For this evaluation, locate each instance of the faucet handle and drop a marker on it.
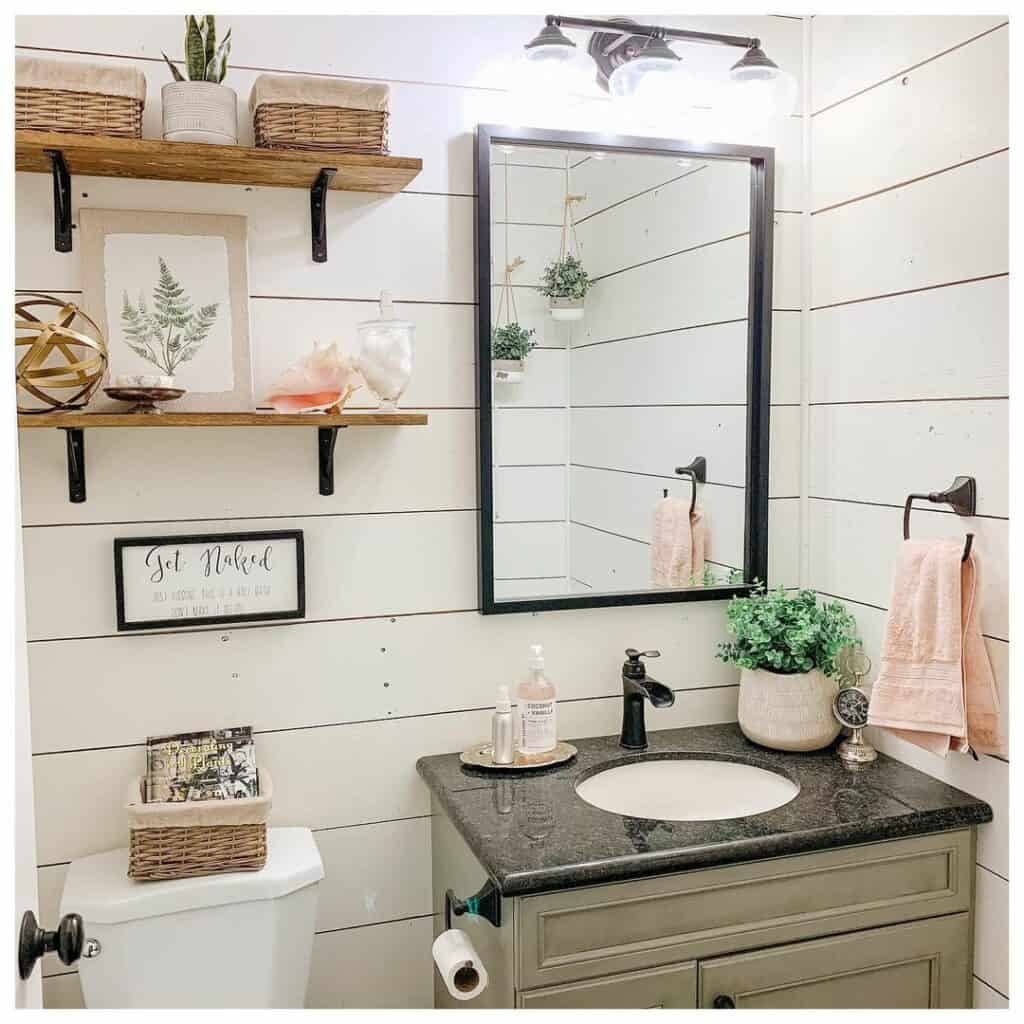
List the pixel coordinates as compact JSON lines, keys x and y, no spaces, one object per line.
{"x":633,"y":667}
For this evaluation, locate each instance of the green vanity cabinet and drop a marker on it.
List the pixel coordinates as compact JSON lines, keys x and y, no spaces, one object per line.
{"x":883,"y":924}
{"x":661,"y":988}
{"x":921,"y":965}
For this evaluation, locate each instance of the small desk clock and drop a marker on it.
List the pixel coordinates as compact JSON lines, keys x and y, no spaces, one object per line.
{"x":850,"y":706}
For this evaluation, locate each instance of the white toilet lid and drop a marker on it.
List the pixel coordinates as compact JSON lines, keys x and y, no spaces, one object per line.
{"x":99,"y":888}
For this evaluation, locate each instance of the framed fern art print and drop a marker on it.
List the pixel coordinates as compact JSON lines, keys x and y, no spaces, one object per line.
{"x":170,"y":291}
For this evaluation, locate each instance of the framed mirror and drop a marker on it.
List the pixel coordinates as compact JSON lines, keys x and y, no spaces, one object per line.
{"x":623,"y":356}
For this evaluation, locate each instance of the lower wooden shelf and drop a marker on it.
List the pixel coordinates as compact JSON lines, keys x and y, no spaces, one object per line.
{"x":88,"y":420}
{"x":74,"y":425}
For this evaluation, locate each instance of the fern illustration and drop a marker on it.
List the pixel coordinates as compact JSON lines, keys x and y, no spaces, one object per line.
{"x":172,"y":332}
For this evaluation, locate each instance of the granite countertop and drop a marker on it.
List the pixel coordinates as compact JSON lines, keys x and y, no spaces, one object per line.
{"x":532,"y":833}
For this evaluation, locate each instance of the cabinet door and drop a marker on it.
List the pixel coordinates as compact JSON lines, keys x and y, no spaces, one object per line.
{"x":662,"y":988}
{"x":912,"y":966}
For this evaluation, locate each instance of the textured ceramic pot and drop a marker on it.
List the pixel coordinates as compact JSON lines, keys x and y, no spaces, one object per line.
{"x":787,"y":712}
{"x":199,"y":112}
{"x":565,"y":309}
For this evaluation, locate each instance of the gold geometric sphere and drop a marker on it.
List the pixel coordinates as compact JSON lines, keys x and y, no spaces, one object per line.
{"x":62,"y":365}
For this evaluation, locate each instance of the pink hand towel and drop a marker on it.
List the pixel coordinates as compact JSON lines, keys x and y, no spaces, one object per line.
{"x":936,"y":688}
{"x":678,"y":541}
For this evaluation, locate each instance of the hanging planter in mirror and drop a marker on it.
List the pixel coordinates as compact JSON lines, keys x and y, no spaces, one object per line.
{"x":511,"y":343}
{"x":565,"y":282}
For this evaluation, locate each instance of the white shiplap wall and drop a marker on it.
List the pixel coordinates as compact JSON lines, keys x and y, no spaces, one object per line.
{"x":393,"y":660}
{"x":908,"y":345}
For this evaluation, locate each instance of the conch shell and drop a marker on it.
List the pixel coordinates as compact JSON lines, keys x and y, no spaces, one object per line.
{"x":325,"y":379}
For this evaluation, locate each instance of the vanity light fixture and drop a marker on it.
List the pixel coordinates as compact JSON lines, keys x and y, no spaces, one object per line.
{"x":635,"y":62}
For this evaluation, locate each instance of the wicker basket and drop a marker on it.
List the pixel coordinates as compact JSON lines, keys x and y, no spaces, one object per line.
{"x":76,"y":96}
{"x":309,"y":127}
{"x":84,"y":113}
{"x":192,"y":838}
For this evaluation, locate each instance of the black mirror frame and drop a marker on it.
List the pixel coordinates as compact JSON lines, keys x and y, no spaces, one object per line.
{"x":759,"y":328}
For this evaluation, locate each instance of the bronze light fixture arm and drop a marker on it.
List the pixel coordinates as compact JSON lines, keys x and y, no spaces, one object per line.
{"x":654,"y":31}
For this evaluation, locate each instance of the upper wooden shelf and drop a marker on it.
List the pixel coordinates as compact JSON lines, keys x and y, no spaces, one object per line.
{"x":86,"y":420}
{"x":232,"y":165}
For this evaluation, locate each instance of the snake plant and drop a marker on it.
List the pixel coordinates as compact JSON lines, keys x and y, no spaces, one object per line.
{"x":205,"y":61}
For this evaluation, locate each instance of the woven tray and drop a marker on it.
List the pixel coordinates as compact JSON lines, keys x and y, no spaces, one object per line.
{"x":314,"y":128}
{"x":84,"y":113}
{"x":192,"y":838}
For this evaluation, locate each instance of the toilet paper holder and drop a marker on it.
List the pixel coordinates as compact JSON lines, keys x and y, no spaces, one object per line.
{"x":485,"y":903}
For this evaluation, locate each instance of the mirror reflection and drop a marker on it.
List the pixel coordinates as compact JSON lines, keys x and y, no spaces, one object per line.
{"x":619,"y":334}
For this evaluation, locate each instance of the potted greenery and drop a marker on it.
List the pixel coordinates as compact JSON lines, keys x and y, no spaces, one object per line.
{"x":200,"y":108}
{"x":785,"y":646}
{"x":510,"y":345}
{"x":565,"y":283}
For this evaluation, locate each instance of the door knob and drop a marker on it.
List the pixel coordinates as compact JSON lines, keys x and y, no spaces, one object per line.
{"x":723,"y":1003}
{"x":68,"y":942}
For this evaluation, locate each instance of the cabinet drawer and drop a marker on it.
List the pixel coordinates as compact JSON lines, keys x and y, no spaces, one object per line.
{"x":919,"y":966}
{"x":585,"y":933}
{"x":664,"y":988}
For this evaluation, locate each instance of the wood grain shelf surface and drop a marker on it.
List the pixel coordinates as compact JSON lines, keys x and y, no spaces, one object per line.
{"x":84,"y":420}
{"x":232,"y":165}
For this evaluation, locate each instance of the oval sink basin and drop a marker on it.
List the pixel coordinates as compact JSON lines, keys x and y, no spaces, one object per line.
{"x":686,"y":789}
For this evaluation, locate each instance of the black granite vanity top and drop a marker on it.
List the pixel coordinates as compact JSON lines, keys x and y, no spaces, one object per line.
{"x":532,"y":833}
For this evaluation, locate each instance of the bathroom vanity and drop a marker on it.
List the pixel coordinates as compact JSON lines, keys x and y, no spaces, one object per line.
{"x":856,"y":893}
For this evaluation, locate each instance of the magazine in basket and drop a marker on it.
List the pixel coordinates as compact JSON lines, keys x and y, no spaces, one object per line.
{"x":216,"y":764}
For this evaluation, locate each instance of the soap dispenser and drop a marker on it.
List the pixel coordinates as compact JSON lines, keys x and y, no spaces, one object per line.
{"x":537,"y":720}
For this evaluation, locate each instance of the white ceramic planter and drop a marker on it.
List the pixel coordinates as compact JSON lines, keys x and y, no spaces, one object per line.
{"x":565,"y":309}
{"x":508,"y":371}
{"x":787,"y":712}
{"x":199,"y":112}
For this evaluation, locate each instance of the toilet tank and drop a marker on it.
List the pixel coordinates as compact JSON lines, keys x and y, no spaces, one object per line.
{"x":239,"y":940}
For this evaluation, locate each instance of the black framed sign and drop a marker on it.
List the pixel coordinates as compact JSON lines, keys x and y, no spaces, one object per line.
{"x":198,"y":579}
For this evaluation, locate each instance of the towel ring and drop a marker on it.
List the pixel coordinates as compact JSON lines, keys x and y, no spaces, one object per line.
{"x":961,"y":496}
{"x":697,"y":471}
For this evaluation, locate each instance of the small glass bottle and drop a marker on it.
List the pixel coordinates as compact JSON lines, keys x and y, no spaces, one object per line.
{"x":502,"y":744}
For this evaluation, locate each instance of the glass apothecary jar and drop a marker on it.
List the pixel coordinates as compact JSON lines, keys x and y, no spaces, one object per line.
{"x":385,"y":354}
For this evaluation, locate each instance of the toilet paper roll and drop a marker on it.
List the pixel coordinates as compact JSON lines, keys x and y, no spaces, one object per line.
{"x":459,"y":964}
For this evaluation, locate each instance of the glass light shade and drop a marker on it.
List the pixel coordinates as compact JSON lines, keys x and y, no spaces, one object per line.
{"x":628,"y":79}
{"x":762,"y":91}
{"x":655,"y":90}
{"x":550,"y":53}
{"x":548,"y":92}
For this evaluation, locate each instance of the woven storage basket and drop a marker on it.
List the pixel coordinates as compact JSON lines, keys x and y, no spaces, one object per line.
{"x":72,"y":96}
{"x":197,"y":837}
{"x":319,"y":114}
{"x":342,"y":129}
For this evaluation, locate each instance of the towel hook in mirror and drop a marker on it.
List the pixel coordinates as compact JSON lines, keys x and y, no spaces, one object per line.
{"x":697,"y":471}
{"x":961,"y":496}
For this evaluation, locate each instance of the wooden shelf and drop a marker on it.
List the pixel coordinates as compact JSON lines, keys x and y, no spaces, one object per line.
{"x":230,"y":165}
{"x":89,"y":420}
{"x":74,"y":425}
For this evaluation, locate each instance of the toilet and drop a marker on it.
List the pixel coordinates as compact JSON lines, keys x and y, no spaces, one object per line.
{"x":239,"y":940}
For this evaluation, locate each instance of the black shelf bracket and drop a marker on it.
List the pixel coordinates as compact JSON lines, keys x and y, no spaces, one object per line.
{"x":318,"y":214}
{"x":327,"y":438}
{"x":486,"y":903}
{"x":61,"y":201}
{"x":76,"y":464}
